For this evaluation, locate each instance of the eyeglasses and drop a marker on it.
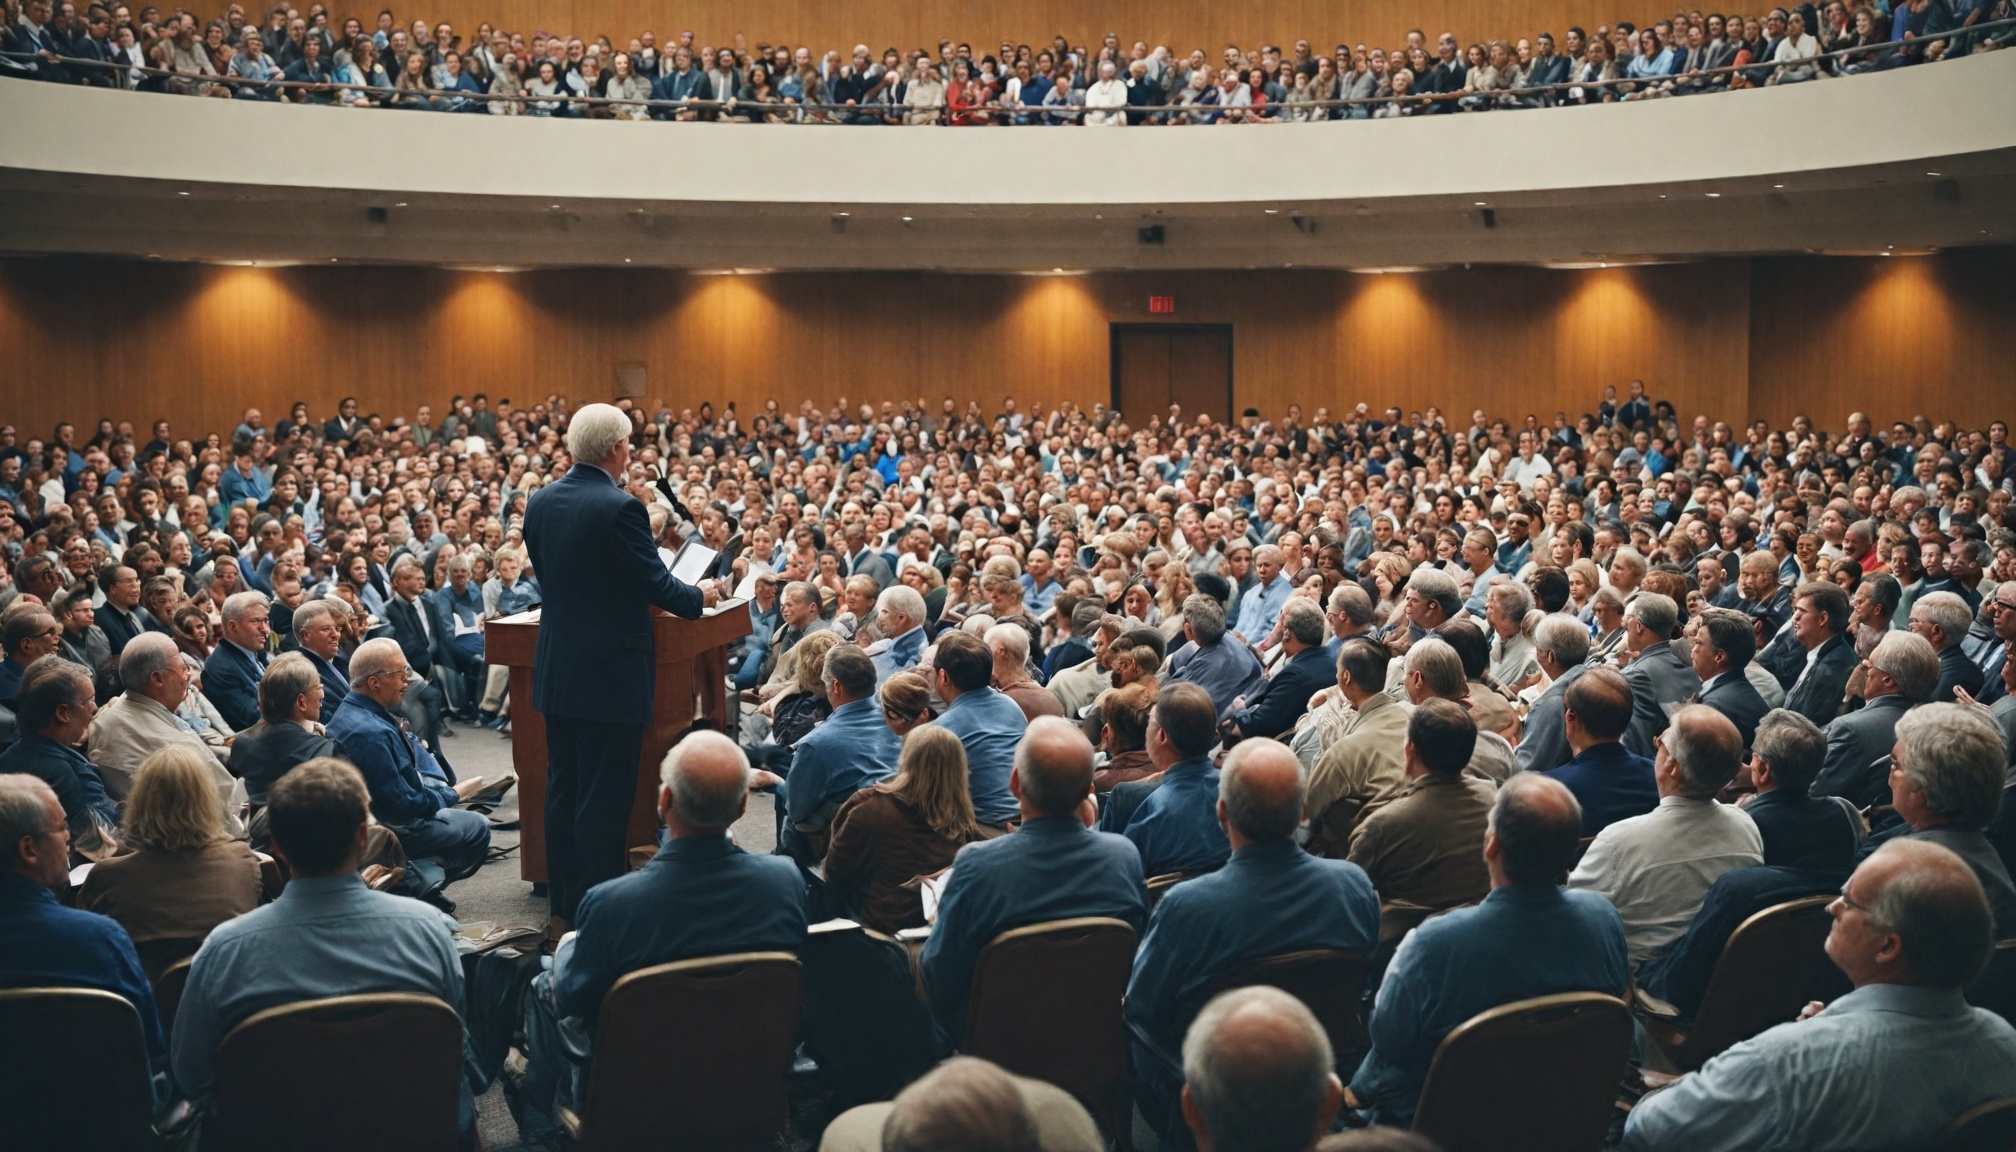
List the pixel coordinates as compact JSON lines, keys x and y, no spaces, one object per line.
{"x":1850,"y":902}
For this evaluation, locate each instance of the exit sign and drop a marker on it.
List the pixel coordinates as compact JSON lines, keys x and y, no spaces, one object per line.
{"x":1162,"y":304}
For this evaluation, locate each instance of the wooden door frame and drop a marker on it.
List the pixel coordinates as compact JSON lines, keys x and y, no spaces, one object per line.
{"x":1114,"y":331}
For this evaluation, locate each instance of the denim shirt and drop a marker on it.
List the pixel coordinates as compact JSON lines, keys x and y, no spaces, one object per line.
{"x":990,"y":725}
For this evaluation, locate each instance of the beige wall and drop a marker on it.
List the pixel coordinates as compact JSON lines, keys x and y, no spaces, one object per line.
{"x":1733,"y":338}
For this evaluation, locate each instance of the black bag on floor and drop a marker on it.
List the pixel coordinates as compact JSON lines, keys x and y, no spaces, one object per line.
{"x":493,"y":998}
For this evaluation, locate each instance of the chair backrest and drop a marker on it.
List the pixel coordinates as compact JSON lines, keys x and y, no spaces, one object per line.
{"x":1158,"y":886}
{"x":1774,"y":964}
{"x":1537,"y":1075}
{"x":1996,"y":989}
{"x":379,"y":1071}
{"x":1989,"y":1127}
{"x":168,"y":994}
{"x":1331,"y":981}
{"x":83,"y":1083}
{"x":1046,"y":1002}
{"x":694,"y":1054}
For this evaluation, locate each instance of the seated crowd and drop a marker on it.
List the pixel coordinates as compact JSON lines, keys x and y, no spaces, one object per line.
{"x":319,"y":57}
{"x":1508,"y":710}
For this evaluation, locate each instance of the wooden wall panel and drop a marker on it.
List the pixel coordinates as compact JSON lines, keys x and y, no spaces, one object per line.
{"x":1893,"y":337}
{"x":197,"y":344}
{"x":906,"y":24}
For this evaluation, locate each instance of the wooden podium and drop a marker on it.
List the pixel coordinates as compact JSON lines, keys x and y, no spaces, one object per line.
{"x":692,"y":692}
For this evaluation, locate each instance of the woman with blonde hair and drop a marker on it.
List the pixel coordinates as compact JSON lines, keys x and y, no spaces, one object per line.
{"x":910,"y":825}
{"x":906,"y":702}
{"x":185,"y":875}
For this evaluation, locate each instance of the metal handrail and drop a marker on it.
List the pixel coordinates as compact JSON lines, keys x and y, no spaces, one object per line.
{"x":1051,"y":114}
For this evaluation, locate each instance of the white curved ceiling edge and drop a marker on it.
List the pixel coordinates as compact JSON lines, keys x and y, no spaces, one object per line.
{"x":1953,"y":108}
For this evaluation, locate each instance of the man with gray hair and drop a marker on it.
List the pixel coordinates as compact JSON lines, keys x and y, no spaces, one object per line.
{"x":1225,"y":668}
{"x":45,"y":944}
{"x":701,"y":895}
{"x":141,"y":721}
{"x":231,"y":674}
{"x":1890,"y":1064}
{"x":318,"y":633}
{"x":1901,"y":673}
{"x":1307,"y":670}
{"x":900,"y":617}
{"x":1946,"y":778}
{"x":1561,"y":648}
{"x":1943,"y":618}
{"x":1660,"y":681}
{"x":1052,"y":868}
{"x":593,"y":674}
{"x":1657,"y":868}
{"x":1432,"y":599}
{"x":53,"y":712}
{"x":1260,"y":605}
{"x":1257,"y":1074}
{"x":1008,"y":644}
{"x":1800,"y":830}
{"x":971,"y":1104}
{"x":1270,"y":897}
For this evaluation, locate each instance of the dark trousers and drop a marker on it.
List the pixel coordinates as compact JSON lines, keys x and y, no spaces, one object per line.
{"x":591,"y":780}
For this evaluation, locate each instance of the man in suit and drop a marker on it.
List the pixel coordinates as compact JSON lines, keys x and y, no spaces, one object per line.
{"x":1723,"y":645}
{"x":318,"y":631}
{"x":1528,"y":938}
{"x":344,"y":424}
{"x":701,"y":895}
{"x":1820,"y":613}
{"x":2001,"y":612}
{"x":1561,"y":645}
{"x":1269,"y":898}
{"x":121,"y":617}
{"x":1051,"y":868}
{"x":413,"y":625}
{"x":1175,"y":825}
{"x":1448,"y":74}
{"x":1943,"y":618}
{"x":1901,"y":673}
{"x":35,"y":46}
{"x":1811,"y":833}
{"x":1660,"y":681}
{"x":861,"y":560}
{"x":231,"y":674}
{"x":594,"y":669}
{"x":1284,"y":696}
{"x":1610,"y":782}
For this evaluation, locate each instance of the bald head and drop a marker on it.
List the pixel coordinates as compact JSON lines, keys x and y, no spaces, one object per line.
{"x":1257,"y":1072}
{"x":706,"y":785}
{"x":1707,"y":750}
{"x":966,"y":1104}
{"x":1053,"y":768}
{"x":1261,"y":791}
{"x":1913,"y":913}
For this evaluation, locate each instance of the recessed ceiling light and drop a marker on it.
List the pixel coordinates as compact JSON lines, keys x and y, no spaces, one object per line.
{"x":1714,"y":195}
{"x":332,"y":259}
{"x":1056,"y":270}
{"x":841,"y":215}
{"x":181,"y":193}
{"x":1662,"y":195}
{"x":626,"y":259}
{"x":1480,"y":203}
{"x":907,"y":219}
{"x":1777,"y":185}
{"x":1270,"y":211}
{"x":554,"y":207}
{"x":400,"y":204}
{"x":1932,"y":173}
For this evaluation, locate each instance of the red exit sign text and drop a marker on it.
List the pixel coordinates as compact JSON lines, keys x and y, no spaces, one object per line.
{"x":1162,"y":304}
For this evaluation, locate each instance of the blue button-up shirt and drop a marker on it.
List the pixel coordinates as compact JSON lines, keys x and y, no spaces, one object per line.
{"x":325,"y":936}
{"x":1176,"y":828}
{"x":1054,"y":868}
{"x":847,"y":752}
{"x":1268,"y":899}
{"x":1524,"y":940}
{"x":897,"y":654}
{"x":405,"y":783}
{"x":1227,"y":670}
{"x":990,"y":725}
{"x":74,"y":779}
{"x":1039,"y":599}
{"x":1260,"y":606}
{"x":45,"y":945}
{"x":1886,"y":1066}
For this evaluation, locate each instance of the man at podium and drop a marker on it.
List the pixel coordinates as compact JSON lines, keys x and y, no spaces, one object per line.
{"x":592,"y":676}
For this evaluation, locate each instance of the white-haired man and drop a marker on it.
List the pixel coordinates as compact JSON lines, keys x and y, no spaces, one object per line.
{"x":900,"y":615}
{"x":141,"y":720}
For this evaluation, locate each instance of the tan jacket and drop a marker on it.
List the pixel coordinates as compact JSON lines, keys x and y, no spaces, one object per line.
{"x":1367,"y":760}
{"x":133,"y":727}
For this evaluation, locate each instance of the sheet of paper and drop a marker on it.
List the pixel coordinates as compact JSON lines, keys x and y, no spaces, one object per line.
{"x":932,"y":890}
{"x":693,"y":561}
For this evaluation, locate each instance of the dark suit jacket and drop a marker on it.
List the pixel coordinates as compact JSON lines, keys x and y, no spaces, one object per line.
{"x":1784,"y":658}
{"x":1856,"y":743}
{"x":120,"y":628}
{"x":1818,"y":696}
{"x":335,"y":676}
{"x":599,"y":570}
{"x":413,"y":638}
{"x":1956,"y":671}
{"x":1283,"y":699}
{"x":231,"y":681}
{"x":1658,"y":678}
{"x":1611,"y":782}
{"x":1736,"y":698}
{"x":19,"y":40}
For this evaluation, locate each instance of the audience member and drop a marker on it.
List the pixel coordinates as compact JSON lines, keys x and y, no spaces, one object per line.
{"x":1943,"y":618}
{"x":184,"y":876}
{"x":1227,"y":669}
{"x":142,"y":720}
{"x":291,"y":698}
{"x":1273,"y":709}
{"x":849,"y":750}
{"x":1657,"y":868}
{"x":1269,"y":898}
{"x":967,"y":1103}
{"x":1009,"y":646}
{"x":1825,"y":653}
{"x":1946,"y":782}
{"x":231,"y":674}
{"x":1051,"y":868}
{"x":1723,"y":644}
{"x":318,"y":635}
{"x":1660,"y":680}
{"x":1422,"y":844}
{"x":1561,"y":649}
{"x":1367,"y":759}
{"x":1610,"y":781}
{"x":901,"y":620}
{"x":28,"y":633}
{"x":1530,"y":937}
{"x":1123,"y":715}
{"x":1172,"y":819}
{"x":987,"y":722}
{"x":1901,"y":674}
{"x":1800,"y":830}
{"x":701,"y":895}
{"x":1257,"y":1074}
{"x":54,"y":711}
{"x":1889,"y":1065}
{"x":893,"y":831}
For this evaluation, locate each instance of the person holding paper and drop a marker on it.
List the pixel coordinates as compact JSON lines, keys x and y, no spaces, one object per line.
{"x":593,"y":671}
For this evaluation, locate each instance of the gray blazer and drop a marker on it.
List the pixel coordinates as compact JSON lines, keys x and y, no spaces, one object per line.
{"x":1544,"y":746}
{"x":1855,"y":742}
{"x":1659,"y":680}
